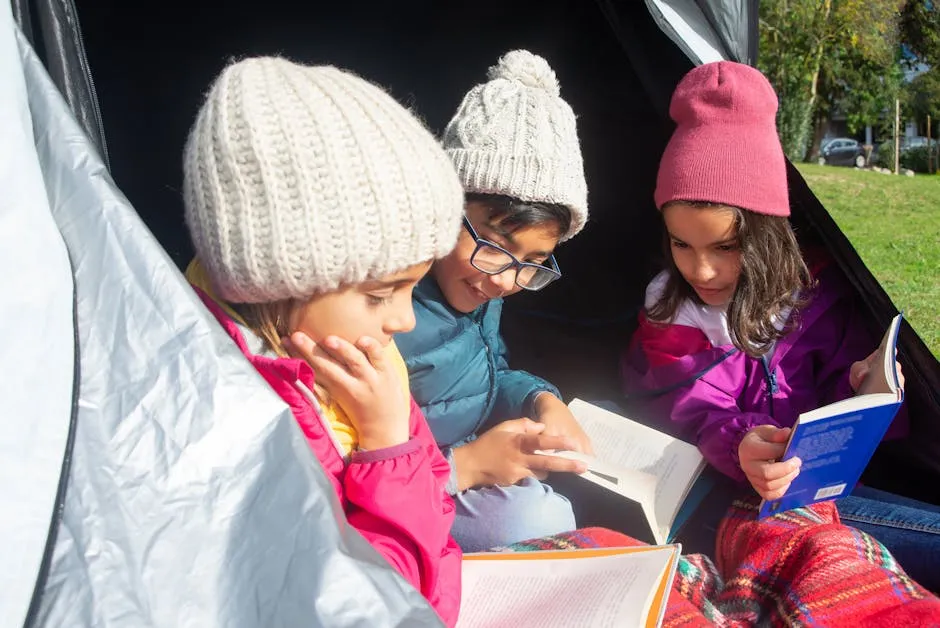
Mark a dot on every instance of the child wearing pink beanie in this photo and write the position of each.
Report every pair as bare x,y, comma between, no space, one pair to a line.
744,330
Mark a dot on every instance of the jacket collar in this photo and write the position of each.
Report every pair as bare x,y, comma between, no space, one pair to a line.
429,293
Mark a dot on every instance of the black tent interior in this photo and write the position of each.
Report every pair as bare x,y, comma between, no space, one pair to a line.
617,69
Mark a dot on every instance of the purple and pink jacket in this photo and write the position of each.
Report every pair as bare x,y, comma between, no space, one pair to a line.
394,497
712,395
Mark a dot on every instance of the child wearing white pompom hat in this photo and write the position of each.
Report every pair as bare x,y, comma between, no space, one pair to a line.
515,147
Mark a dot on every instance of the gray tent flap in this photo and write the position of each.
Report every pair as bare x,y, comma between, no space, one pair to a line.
710,30
52,28
38,349
192,497
735,24
22,17
686,25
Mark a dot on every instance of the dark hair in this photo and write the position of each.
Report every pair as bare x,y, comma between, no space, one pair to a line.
774,278
512,214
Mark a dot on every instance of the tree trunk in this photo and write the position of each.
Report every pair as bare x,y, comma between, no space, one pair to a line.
820,128
805,113
818,53
816,66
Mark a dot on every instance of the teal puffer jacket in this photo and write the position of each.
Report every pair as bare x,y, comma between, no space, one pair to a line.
458,368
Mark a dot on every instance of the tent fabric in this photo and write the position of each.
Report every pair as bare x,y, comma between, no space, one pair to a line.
687,26
710,30
52,29
192,497
735,22
37,319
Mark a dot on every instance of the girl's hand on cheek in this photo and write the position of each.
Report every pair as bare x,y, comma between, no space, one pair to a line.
758,453
363,383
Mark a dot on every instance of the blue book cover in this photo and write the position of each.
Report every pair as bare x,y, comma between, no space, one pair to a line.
702,487
836,442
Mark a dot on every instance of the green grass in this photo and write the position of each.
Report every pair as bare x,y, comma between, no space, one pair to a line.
894,224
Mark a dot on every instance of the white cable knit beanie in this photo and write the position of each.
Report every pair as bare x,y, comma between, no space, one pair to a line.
514,135
299,180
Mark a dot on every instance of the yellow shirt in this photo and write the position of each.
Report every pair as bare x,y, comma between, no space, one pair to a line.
334,414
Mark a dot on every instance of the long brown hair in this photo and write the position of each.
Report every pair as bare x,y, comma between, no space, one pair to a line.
269,321
774,278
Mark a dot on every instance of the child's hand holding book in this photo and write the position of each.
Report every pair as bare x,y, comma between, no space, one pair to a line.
559,421
860,370
835,442
759,455
506,454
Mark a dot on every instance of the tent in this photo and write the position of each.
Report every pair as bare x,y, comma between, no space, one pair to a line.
155,480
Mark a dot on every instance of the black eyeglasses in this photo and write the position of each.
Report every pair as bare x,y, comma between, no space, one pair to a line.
492,259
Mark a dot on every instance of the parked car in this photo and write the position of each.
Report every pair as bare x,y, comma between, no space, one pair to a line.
842,151
916,141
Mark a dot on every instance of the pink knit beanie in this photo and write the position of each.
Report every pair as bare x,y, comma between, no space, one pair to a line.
725,148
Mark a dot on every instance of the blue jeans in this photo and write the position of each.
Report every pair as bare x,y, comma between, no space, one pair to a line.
501,515
908,528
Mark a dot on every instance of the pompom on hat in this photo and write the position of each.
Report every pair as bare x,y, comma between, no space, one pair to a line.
725,148
301,179
515,135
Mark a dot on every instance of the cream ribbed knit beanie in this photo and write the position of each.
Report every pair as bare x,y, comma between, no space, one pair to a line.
514,135
298,180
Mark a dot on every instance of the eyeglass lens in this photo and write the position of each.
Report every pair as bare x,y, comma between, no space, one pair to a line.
494,261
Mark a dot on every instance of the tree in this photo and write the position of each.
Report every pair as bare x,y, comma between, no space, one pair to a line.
822,54
861,88
922,97
920,30
793,38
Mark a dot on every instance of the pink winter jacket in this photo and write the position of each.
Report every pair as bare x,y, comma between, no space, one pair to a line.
394,497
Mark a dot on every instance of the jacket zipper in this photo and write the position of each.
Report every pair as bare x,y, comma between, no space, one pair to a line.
491,376
490,372
771,376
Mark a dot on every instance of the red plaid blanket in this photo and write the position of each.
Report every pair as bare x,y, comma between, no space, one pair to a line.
798,568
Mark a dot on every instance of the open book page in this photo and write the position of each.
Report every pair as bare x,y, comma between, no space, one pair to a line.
566,588
636,485
883,377
621,443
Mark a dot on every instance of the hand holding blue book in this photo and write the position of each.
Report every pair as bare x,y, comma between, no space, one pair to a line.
836,442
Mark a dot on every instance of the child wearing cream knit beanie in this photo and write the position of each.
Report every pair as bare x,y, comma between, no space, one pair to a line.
515,146
316,203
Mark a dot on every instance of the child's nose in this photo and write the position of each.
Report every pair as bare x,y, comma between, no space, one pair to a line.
705,270
504,281
402,321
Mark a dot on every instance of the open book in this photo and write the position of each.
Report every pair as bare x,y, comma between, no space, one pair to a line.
639,463
601,588
836,442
